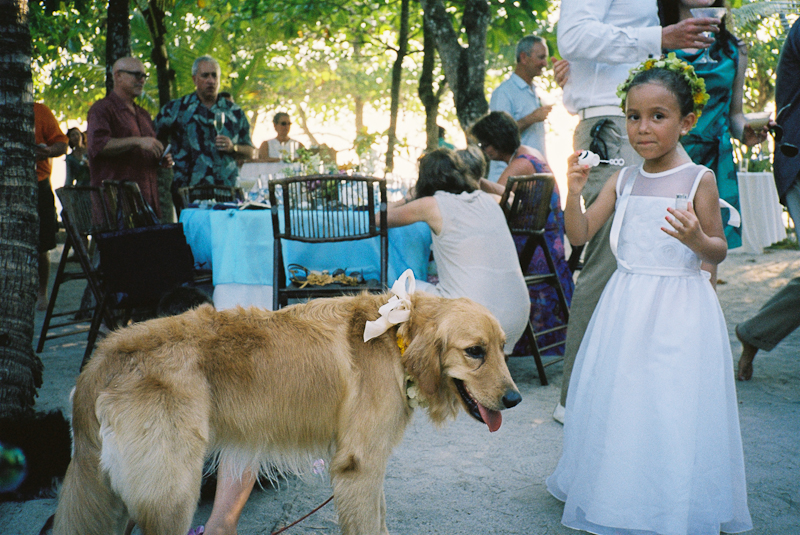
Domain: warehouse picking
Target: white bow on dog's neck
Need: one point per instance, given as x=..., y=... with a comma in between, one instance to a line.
x=396, y=310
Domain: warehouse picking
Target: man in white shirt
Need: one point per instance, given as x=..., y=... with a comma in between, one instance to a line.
x=517, y=97
x=603, y=40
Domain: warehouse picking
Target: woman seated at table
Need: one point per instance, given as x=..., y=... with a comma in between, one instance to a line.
x=498, y=136
x=473, y=248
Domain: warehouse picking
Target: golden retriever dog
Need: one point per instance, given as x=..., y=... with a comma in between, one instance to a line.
x=269, y=390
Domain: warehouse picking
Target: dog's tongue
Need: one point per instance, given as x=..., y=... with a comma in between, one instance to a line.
x=492, y=418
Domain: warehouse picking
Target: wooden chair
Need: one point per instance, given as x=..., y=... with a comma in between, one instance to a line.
x=326, y=209
x=527, y=216
x=83, y=213
x=208, y=192
x=127, y=206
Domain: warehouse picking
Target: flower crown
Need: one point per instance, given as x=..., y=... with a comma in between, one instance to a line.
x=670, y=63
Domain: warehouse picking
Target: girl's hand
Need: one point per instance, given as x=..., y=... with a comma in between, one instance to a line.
x=577, y=174
x=685, y=227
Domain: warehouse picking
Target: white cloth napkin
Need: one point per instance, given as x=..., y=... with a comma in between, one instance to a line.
x=396, y=310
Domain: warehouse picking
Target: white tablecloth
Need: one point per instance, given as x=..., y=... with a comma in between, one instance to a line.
x=762, y=221
x=252, y=170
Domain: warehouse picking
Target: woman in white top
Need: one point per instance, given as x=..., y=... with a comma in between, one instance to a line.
x=282, y=148
x=474, y=252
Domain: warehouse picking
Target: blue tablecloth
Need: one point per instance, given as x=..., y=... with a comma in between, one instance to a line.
x=237, y=245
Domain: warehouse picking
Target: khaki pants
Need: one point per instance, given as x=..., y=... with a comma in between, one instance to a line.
x=599, y=262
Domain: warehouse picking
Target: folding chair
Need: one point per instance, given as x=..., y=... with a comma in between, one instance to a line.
x=527, y=216
x=134, y=280
x=326, y=209
x=208, y=192
x=83, y=213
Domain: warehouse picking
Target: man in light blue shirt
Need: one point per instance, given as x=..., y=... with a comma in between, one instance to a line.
x=517, y=97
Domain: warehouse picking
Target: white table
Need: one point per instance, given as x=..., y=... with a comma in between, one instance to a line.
x=762, y=220
x=237, y=245
x=252, y=170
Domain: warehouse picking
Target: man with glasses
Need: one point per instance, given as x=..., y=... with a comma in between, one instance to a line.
x=281, y=148
x=603, y=40
x=122, y=142
x=208, y=134
x=780, y=316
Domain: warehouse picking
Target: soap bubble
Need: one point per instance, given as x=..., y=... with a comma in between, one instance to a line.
x=13, y=468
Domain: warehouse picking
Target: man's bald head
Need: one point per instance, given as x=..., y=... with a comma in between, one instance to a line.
x=129, y=76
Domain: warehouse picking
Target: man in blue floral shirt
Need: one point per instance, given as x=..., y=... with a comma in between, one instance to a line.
x=204, y=150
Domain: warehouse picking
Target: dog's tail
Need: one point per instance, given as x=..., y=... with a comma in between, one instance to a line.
x=152, y=440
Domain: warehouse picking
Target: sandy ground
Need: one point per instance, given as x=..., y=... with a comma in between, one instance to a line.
x=463, y=480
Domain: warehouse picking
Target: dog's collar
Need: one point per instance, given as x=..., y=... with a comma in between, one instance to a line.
x=413, y=395
x=402, y=343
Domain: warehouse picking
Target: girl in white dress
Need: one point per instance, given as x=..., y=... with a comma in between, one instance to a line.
x=651, y=437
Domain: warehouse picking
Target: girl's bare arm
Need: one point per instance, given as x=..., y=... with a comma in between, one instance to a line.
x=580, y=226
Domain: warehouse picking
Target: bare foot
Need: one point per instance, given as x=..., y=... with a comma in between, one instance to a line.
x=746, y=360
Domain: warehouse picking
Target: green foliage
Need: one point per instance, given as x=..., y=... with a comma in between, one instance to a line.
x=762, y=26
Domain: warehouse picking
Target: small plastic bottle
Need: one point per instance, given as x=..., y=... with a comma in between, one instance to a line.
x=589, y=158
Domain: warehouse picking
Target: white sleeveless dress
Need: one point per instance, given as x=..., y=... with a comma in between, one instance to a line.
x=476, y=258
x=651, y=436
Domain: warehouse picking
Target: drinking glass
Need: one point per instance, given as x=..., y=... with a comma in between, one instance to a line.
x=711, y=12
x=219, y=122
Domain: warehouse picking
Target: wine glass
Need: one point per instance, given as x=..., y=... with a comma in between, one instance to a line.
x=710, y=12
x=219, y=121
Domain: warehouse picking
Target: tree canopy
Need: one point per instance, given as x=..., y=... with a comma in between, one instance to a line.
x=317, y=58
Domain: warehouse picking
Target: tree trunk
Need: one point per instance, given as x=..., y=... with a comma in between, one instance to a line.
x=20, y=368
x=397, y=77
x=154, y=16
x=358, y=100
x=118, y=37
x=429, y=97
x=464, y=67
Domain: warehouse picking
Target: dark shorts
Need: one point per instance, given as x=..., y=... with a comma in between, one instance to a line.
x=48, y=225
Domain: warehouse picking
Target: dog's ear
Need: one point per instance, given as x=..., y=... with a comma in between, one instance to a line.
x=422, y=358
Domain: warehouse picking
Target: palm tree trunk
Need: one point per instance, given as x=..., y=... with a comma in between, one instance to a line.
x=20, y=368
x=118, y=36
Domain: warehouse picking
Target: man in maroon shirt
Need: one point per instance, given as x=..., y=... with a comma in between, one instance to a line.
x=122, y=143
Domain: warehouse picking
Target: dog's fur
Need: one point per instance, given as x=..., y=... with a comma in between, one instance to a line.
x=265, y=389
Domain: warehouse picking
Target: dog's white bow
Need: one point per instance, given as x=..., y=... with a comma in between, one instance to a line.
x=396, y=310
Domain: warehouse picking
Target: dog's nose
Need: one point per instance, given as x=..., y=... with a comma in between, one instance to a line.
x=511, y=399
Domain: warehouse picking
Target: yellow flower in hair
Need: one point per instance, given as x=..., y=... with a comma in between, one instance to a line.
x=671, y=63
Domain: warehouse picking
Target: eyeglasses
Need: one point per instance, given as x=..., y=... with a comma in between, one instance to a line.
x=787, y=149
x=136, y=74
x=285, y=123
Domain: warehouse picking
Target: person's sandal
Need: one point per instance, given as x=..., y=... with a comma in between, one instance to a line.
x=199, y=530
